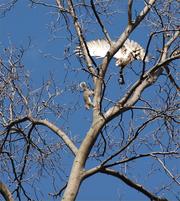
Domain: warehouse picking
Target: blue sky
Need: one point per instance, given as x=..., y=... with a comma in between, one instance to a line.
x=46, y=55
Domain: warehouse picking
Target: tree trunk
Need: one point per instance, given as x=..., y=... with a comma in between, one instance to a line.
x=77, y=172
x=74, y=183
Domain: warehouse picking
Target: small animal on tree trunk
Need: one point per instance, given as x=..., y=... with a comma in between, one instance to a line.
x=87, y=93
x=129, y=52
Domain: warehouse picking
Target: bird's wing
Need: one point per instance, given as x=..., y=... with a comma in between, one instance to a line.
x=97, y=48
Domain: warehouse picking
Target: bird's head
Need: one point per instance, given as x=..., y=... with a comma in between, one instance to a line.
x=83, y=85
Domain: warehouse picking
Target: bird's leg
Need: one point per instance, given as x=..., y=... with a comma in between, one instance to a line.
x=121, y=77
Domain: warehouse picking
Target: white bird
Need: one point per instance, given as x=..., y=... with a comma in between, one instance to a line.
x=130, y=51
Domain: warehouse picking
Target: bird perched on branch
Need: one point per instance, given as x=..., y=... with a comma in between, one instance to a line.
x=87, y=93
x=130, y=51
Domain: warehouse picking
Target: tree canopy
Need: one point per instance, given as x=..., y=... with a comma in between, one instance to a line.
x=67, y=122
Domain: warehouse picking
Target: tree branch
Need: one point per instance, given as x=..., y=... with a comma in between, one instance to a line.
x=100, y=23
x=130, y=2
x=83, y=44
x=49, y=125
x=144, y=12
x=167, y=171
x=130, y=28
x=5, y=192
x=132, y=96
x=152, y=154
x=60, y=7
x=132, y=184
x=114, y=48
x=171, y=77
x=131, y=140
x=59, y=132
x=122, y=177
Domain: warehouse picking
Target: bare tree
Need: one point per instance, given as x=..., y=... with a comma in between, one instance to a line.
x=129, y=123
